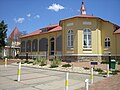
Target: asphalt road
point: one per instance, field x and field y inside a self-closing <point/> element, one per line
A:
<point x="39" y="79"/>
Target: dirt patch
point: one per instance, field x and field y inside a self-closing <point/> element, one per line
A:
<point x="111" y="83"/>
<point x="9" y="61"/>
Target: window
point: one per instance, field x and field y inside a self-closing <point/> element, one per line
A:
<point x="43" y="44"/>
<point x="34" y="45"/>
<point x="52" y="46"/>
<point x="70" y="37"/>
<point x="59" y="43"/>
<point x="23" y="46"/>
<point x="107" y="42"/>
<point x="87" y="38"/>
<point x="28" y="46"/>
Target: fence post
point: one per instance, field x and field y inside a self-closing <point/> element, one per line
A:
<point x="5" y="62"/>
<point x="91" y="76"/>
<point x="19" y="71"/>
<point x="86" y="84"/>
<point x="108" y="70"/>
<point x="66" y="81"/>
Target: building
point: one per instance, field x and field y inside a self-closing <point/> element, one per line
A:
<point x="78" y="38"/>
<point x="13" y="46"/>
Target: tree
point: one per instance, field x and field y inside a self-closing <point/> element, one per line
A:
<point x="3" y="35"/>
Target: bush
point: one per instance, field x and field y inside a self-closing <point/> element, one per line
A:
<point x="40" y="61"/>
<point x="43" y="61"/>
<point x="98" y="70"/>
<point x="53" y="66"/>
<point x="66" y="65"/>
<point x="114" y="72"/>
<point x="86" y="68"/>
<point x="56" y="61"/>
<point x="104" y="62"/>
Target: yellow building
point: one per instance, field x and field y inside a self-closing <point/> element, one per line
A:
<point x="78" y="38"/>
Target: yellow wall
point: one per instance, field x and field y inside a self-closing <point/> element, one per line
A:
<point x="107" y="31"/>
<point x="78" y="28"/>
<point x="100" y="30"/>
<point x="117" y="44"/>
<point x="38" y="37"/>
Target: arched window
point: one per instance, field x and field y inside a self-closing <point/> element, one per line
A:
<point x="107" y="42"/>
<point x="43" y="43"/>
<point x="52" y="46"/>
<point x="28" y="46"/>
<point x="87" y="38"/>
<point x="70" y="41"/>
<point x="34" y="45"/>
<point x="23" y="46"/>
<point x="59" y="43"/>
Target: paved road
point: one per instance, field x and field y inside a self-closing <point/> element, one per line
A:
<point x="39" y="79"/>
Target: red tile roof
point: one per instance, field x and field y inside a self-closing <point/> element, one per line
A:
<point x="50" y="28"/>
<point x="117" y="31"/>
<point x="15" y="34"/>
<point x="81" y="16"/>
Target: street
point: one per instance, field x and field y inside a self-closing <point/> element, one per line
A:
<point x="39" y="79"/>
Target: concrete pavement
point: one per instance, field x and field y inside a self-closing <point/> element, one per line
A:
<point x="39" y="79"/>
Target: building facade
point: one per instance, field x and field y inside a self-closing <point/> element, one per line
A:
<point x="78" y="38"/>
<point x="13" y="46"/>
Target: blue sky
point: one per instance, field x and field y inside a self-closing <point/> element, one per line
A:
<point x="31" y="15"/>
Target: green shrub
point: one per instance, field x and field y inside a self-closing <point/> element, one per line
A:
<point x="40" y="61"/>
<point x="53" y="66"/>
<point x="104" y="62"/>
<point x="86" y="68"/>
<point x="98" y="70"/>
<point x="56" y="62"/>
<point x="114" y="72"/>
<point x="66" y="65"/>
<point x="43" y="61"/>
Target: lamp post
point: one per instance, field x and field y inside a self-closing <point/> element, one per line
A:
<point x="109" y="60"/>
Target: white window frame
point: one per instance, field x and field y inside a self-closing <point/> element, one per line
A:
<point x="107" y="42"/>
<point x="70" y="38"/>
<point x="87" y="41"/>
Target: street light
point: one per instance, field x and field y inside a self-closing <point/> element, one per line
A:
<point x="109" y="60"/>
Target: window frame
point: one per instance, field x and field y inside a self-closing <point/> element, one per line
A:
<point x="35" y="45"/>
<point x="87" y="38"/>
<point x="23" y="46"/>
<point x="107" y="42"/>
<point x="70" y="39"/>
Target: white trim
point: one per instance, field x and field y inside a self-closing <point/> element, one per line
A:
<point x="82" y="55"/>
<point x="72" y="55"/>
<point x="70" y="24"/>
<point x="87" y="23"/>
<point x="87" y="52"/>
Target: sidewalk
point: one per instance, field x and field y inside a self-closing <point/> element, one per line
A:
<point x="111" y="83"/>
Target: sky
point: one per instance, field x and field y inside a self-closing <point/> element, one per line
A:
<point x="31" y="15"/>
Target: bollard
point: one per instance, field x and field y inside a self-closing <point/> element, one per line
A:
<point x="19" y="71"/>
<point x="86" y="84"/>
<point x="91" y="76"/>
<point x="66" y="81"/>
<point x="5" y="62"/>
<point x="108" y="70"/>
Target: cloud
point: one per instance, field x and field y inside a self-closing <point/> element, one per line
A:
<point x="37" y="16"/>
<point x="29" y="15"/>
<point x="19" y="20"/>
<point x="55" y="7"/>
